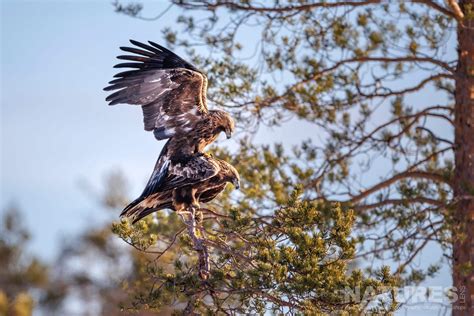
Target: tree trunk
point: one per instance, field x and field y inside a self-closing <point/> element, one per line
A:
<point x="463" y="247"/>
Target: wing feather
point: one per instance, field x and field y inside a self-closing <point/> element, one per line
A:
<point x="145" y="46"/>
<point x="171" y="91"/>
<point x="137" y="51"/>
<point x="168" y="176"/>
<point x="197" y="169"/>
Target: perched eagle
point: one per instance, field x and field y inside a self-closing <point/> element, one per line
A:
<point x="172" y="94"/>
<point x="199" y="180"/>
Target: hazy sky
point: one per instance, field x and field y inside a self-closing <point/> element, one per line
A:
<point x="56" y="128"/>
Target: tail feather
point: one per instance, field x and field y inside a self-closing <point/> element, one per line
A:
<point x="143" y="213"/>
<point x="131" y="208"/>
<point x="141" y="207"/>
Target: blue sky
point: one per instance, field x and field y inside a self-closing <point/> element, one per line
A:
<point x="57" y="129"/>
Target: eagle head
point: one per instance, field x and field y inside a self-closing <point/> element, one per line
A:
<point x="224" y="122"/>
<point x="233" y="177"/>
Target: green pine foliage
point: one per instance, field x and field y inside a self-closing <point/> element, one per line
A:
<point x="373" y="85"/>
<point x="271" y="249"/>
<point x="295" y="260"/>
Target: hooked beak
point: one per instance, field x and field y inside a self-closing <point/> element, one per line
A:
<point x="236" y="183"/>
<point x="228" y="134"/>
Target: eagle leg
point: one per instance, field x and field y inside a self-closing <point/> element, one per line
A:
<point x="199" y="217"/>
<point x="187" y="207"/>
<point x="196" y="235"/>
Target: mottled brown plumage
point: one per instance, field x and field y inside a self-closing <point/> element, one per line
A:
<point x="172" y="94"/>
<point x="199" y="180"/>
<point x="206" y="131"/>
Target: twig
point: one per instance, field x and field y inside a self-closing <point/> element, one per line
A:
<point x="456" y="9"/>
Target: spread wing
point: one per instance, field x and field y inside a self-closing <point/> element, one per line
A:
<point x="171" y="91"/>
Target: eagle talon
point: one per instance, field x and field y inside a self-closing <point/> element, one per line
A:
<point x="185" y="215"/>
<point x="199" y="217"/>
<point x="182" y="212"/>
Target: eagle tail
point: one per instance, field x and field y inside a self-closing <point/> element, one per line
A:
<point x="140" y="208"/>
<point x="131" y="209"/>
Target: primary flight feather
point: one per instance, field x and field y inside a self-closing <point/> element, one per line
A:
<point x="171" y="92"/>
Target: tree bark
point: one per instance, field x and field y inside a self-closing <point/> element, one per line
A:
<point x="463" y="234"/>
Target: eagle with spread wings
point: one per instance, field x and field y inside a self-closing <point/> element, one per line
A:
<point x="199" y="180"/>
<point x="172" y="95"/>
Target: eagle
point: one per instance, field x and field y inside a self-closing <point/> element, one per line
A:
<point x="185" y="186"/>
<point x="172" y="95"/>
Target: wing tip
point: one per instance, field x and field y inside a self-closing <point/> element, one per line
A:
<point x="158" y="46"/>
<point x="124" y="48"/>
<point x="112" y="101"/>
<point x="109" y="88"/>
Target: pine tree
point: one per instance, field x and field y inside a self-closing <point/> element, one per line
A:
<point x="387" y="102"/>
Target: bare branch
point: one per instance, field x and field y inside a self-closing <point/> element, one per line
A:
<point x="362" y="207"/>
<point x="415" y="253"/>
<point x="398" y="177"/>
<point x="420" y="85"/>
<point x="207" y="5"/>
<point x="437" y="7"/>
<point x="319" y="74"/>
<point x="456" y="9"/>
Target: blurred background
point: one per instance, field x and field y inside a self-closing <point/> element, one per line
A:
<point x="68" y="160"/>
<point x="61" y="144"/>
<point x="58" y="134"/>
